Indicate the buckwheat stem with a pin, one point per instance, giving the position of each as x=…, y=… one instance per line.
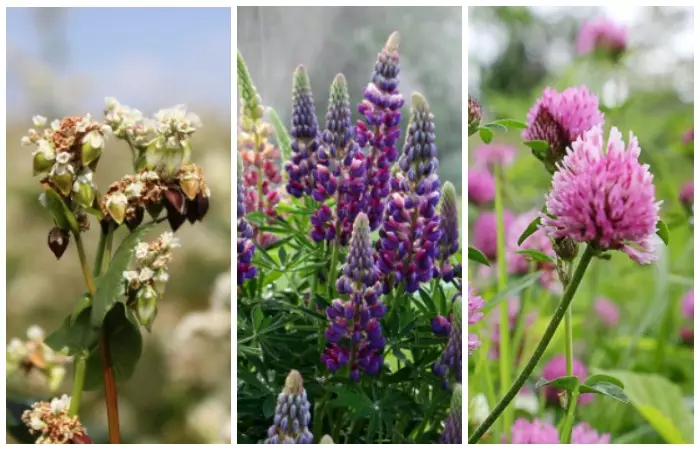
x=541, y=347
x=78, y=383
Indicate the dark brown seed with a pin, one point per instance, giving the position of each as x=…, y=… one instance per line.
x=175, y=217
x=134, y=220
x=154, y=209
x=192, y=211
x=202, y=206
x=58, y=241
x=176, y=199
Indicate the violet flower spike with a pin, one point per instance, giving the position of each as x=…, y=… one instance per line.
x=452, y=433
x=449, y=235
x=245, y=246
x=450, y=363
x=354, y=332
x=410, y=232
x=292, y=414
x=379, y=132
x=305, y=139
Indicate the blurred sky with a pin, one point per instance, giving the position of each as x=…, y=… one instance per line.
x=146, y=57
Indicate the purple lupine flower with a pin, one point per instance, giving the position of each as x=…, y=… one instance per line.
x=305, y=139
x=354, y=332
x=449, y=234
x=561, y=118
x=474, y=315
x=485, y=232
x=340, y=171
x=608, y=312
x=582, y=433
x=603, y=196
x=441, y=325
x=535, y=432
x=245, y=246
x=410, y=233
x=555, y=368
x=450, y=363
x=379, y=132
x=481, y=187
x=602, y=35
x=452, y=433
x=292, y=414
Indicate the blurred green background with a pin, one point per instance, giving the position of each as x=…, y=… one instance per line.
x=514, y=52
x=329, y=40
x=64, y=62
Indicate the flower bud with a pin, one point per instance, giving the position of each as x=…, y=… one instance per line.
x=566, y=249
x=93, y=143
x=44, y=157
x=146, y=306
x=84, y=192
x=58, y=241
x=63, y=180
x=190, y=185
x=116, y=206
x=475, y=115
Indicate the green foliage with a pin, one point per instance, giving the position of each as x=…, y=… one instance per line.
x=62, y=215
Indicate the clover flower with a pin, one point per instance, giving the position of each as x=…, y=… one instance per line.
x=449, y=234
x=535, y=432
x=603, y=35
x=688, y=305
x=410, y=233
x=450, y=363
x=379, y=132
x=305, y=137
x=687, y=197
x=292, y=414
x=582, y=433
x=481, y=187
x=34, y=355
x=488, y=156
x=355, y=333
x=452, y=433
x=555, y=368
x=147, y=276
x=484, y=231
x=560, y=118
x=53, y=424
x=603, y=196
x=340, y=171
x=474, y=305
x=608, y=312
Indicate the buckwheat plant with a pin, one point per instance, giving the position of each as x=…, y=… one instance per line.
x=126, y=282
x=357, y=292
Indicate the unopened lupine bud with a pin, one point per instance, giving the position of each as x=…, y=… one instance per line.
x=292, y=414
x=452, y=433
x=58, y=241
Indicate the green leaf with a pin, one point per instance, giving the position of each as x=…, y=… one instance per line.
x=536, y=256
x=84, y=303
x=110, y=285
x=661, y=403
x=569, y=384
x=607, y=389
x=531, y=228
x=662, y=231
x=537, y=145
x=496, y=126
x=282, y=253
x=77, y=337
x=125, y=346
x=486, y=135
x=63, y=216
x=511, y=123
x=601, y=377
x=476, y=255
x=512, y=290
x=283, y=140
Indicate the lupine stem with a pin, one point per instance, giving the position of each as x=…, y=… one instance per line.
x=541, y=347
x=504, y=332
x=331, y=270
x=569, y=420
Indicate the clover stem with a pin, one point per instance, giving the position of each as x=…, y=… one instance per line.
x=569, y=420
x=541, y=347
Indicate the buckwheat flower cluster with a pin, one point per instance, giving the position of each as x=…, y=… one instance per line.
x=450, y=363
x=340, y=171
x=245, y=248
x=603, y=196
x=602, y=35
x=34, y=355
x=555, y=368
x=126, y=123
x=474, y=305
x=481, y=187
x=53, y=424
x=452, y=433
x=560, y=118
x=146, y=279
x=355, y=333
x=305, y=137
x=410, y=233
x=292, y=415
x=170, y=147
x=449, y=235
x=379, y=132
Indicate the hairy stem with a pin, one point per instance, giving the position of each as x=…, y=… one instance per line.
x=569, y=420
x=504, y=331
x=541, y=347
x=568, y=330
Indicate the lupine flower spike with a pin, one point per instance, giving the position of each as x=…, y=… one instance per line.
x=244, y=245
x=603, y=196
x=355, y=333
x=449, y=235
x=450, y=363
x=410, y=233
x=292, y=415
x=379, y=132
x=452, y=433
